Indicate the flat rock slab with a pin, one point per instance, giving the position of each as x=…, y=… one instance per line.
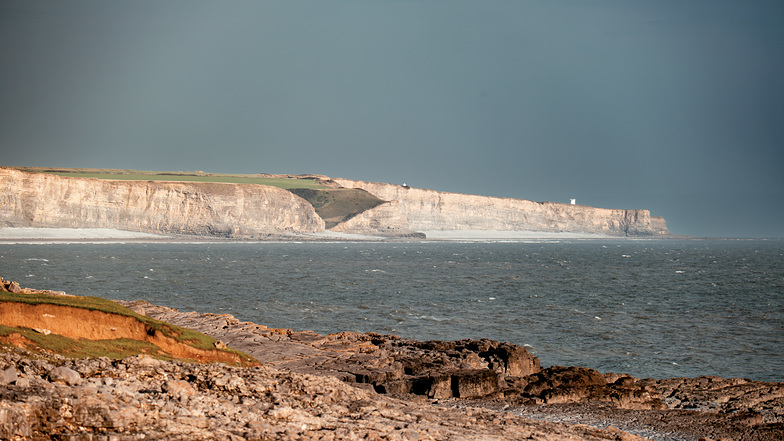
x=273, y=347
x=464, y=369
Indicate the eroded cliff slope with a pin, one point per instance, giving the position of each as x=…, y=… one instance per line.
x=206, y=209
x=412, y=209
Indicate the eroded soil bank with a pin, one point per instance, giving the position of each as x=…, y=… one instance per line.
x=72, y=320
x=78, y=323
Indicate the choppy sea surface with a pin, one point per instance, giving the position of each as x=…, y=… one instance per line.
x=659, y=308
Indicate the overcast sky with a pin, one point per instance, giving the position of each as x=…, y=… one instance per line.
x=676, y=106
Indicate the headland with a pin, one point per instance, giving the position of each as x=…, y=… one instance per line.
x=282, y=207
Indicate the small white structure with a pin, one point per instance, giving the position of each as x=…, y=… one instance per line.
x=573, y=201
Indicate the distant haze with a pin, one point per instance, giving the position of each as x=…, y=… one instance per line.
x=669, y=105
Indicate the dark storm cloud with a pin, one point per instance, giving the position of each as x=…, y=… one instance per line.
x=669, y=105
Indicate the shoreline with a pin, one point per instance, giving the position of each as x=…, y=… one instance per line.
x=486, y=235
x=46, y=235
x=440, y=381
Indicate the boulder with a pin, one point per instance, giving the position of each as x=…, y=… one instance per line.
x=8, y=375
x=65, y=375
x=562, y=384
x=437, y=386
x=510, y=359
x=178, y=389
x=12, y=287
x=475, y=383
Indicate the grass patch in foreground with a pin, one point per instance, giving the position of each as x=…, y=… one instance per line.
x=182, y=335
x=70, y=348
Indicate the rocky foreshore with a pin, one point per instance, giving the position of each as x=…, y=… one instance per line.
x=352, y=386
x=504, y=376
x=144, y=398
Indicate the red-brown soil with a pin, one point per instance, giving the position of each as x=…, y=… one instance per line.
x=79, y=323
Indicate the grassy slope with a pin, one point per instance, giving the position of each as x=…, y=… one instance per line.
x=70, y=348
x=339, y=204
x=187, y=336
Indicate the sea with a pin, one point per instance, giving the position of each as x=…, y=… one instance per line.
x=649, y=308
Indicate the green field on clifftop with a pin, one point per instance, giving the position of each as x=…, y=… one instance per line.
x=286, y=183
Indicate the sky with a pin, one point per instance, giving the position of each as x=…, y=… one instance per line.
x=672, y=106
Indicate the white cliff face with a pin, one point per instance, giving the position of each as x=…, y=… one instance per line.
x=412, y=209
x=210, y=209
x=247, y=211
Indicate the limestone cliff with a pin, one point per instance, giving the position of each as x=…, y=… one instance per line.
x=252, y=211
x=207, y=209
x=411, y=209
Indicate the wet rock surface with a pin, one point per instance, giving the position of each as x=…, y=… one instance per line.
x=505, y=376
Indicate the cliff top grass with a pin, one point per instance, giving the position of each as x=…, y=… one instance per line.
x=119, y=348
x=82, y=348
x=285, y=182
